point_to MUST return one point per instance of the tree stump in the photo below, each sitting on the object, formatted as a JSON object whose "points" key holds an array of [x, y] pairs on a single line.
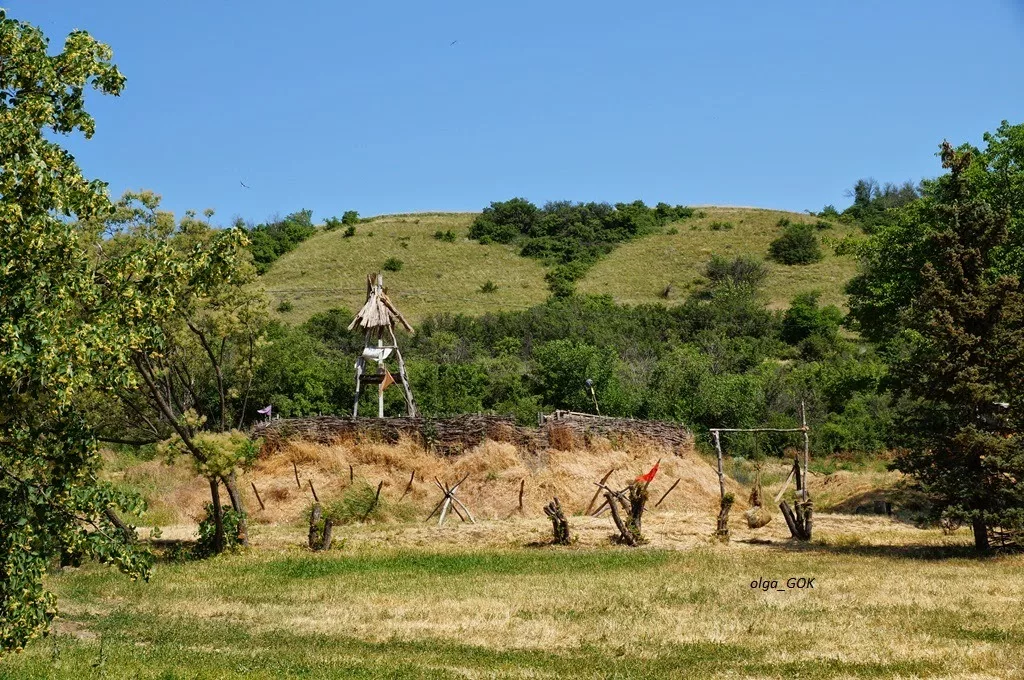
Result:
{"points": [[632, 503], [722, 530], [559, 524], [319, 532], [799, 522]]}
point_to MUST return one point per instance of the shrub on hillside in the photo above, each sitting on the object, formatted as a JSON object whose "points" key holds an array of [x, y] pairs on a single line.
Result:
{"points": [[738, 272], [446, 236], [350, 231], [267, 242], [392, 264], [797, 245], [564, 232], [350, 217]]}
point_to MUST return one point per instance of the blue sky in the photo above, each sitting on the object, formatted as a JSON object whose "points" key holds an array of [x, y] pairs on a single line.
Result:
{"points": [[367, 106]]}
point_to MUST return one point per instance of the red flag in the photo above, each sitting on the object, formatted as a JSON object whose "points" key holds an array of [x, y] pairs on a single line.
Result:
{"points": [[649, 477]]}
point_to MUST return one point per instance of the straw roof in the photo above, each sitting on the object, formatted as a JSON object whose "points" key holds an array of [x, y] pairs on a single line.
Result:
{"points": [[379, 311]]}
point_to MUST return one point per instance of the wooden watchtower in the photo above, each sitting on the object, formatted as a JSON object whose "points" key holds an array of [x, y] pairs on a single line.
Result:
{"points": [[377, 318]]}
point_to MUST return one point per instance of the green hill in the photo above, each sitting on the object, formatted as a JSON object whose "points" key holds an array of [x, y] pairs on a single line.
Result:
{"points": [[327, 270]]}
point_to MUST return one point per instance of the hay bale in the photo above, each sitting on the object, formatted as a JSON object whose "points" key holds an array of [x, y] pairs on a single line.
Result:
{"points": [[757, 517]]}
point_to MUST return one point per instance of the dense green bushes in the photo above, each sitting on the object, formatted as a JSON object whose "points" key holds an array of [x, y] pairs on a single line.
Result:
{"points": [[720, 358], [570, 236], [267, 242], [797, 245]]}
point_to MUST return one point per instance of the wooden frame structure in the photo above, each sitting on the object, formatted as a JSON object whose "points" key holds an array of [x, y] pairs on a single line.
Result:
{"points": [[799, 522], [377, 317]]}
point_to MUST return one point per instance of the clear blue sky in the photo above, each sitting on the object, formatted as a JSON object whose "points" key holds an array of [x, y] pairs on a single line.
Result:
{"points": [[367, 106]]}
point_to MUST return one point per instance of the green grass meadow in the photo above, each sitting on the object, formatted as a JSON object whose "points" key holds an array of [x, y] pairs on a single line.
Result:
{"points": [[542, 613]]}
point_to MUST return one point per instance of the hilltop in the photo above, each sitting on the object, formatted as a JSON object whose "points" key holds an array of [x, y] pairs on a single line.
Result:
{"points": [[327, 270]]}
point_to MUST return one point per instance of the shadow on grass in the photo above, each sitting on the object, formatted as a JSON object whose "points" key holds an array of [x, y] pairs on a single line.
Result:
{"points": [[905, 552]]}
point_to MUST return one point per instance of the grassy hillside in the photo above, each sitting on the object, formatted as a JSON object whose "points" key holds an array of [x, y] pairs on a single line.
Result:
{"points": [[436, 276], [329, 270], [640, 271]]}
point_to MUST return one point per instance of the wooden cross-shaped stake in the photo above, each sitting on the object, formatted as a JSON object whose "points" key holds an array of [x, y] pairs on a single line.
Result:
{"points": [[450, 502]]}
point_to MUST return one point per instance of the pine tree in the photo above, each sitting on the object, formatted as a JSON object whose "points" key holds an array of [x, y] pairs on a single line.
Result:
{"points": [[957, 362]]}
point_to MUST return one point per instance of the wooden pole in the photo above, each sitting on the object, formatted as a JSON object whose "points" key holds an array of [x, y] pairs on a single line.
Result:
{"points": [[598, 492], [721, 471], [668, 492], [408, 487], [410, 403], [807, 446], [260, 500], [376, 499], [351, 474], [295, 469], [315, 497], [380, 402]]}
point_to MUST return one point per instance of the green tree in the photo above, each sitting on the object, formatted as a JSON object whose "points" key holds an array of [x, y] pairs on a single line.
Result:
{"points": [[195, 370], [62, 327], [950, 365], [797, 245]]}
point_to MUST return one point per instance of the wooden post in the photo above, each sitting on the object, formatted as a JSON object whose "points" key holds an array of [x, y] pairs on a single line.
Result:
{"points": [[258, 499], [295, 469], [376, 499], [380, 401], [315, 497], [664, 495], [410, 403], [559, 524], [522, 487], [807, 447], [721, 472], [598, 492], [351, 474], [408, 487]]}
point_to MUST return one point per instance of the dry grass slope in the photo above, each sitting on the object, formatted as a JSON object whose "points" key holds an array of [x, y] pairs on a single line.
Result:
{"points": [[638, 272], [327, 270]]}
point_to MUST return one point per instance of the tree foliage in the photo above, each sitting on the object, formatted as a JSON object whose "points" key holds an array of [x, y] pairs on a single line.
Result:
{"points": [[66, 323], [797, 245], [953, 342]]}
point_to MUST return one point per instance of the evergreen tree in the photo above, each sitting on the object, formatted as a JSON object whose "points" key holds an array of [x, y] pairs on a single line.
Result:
{"points": [[951, 366]]}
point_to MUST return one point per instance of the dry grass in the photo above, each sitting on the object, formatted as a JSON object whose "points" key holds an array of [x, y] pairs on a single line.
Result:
{"points": [[471, 601], [492, 599], [678, 259], [327, 270]]}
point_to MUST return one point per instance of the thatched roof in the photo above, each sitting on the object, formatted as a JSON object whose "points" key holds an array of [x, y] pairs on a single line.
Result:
{"points": [[379, 311]]}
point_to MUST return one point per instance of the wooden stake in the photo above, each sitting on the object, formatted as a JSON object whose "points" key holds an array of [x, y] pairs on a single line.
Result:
{"points": [[522, 487], [376, 499], [674, 484], [295, 468], [260, 500], [351, 474], [721, 472], [408, 487], [807, 447], [598, 492], [315, 498]]}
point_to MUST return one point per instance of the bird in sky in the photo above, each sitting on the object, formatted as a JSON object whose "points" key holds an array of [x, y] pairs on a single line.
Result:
{"points": [[452, 43], [244, 185]]}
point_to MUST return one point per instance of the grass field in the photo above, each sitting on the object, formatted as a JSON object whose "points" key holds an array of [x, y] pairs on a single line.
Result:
{"points": [[436, 276], [892, 603], [639, 271]]}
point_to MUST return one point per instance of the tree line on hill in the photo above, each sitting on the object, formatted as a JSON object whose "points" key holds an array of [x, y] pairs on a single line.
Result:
{"points": [[120, 323]]}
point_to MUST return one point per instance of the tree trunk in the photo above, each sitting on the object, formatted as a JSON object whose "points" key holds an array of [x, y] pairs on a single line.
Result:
{"points": [[218, 516], [980, 534], [559, 524], [238, 504]]}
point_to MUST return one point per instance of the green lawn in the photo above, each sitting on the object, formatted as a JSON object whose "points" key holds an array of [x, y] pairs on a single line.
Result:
{"points": [[542, 612]]}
